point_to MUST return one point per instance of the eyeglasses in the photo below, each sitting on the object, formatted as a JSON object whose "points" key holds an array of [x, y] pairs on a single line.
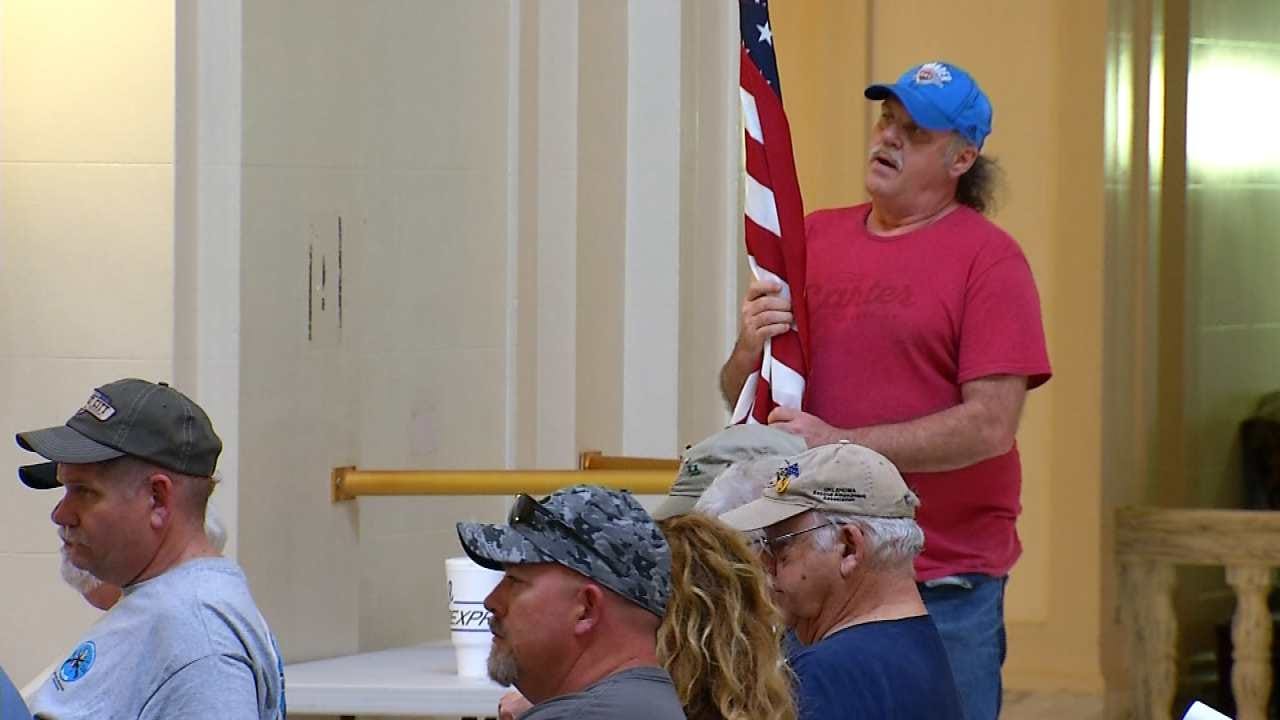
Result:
{"points": [[771, 548], [525, 509]]}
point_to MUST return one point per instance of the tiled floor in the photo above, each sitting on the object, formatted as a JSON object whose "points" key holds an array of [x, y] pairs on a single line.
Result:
{"points": [[1050, 706]]}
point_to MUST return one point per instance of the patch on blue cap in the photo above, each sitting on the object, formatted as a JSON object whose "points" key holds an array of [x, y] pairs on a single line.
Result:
{"points": [[932, 73]]}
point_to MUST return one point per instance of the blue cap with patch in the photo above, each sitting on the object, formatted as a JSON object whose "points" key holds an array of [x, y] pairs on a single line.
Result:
{"points": [[941, 96]]}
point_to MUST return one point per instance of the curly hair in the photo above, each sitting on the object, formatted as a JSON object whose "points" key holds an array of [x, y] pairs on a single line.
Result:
{"points": [[721, 637], [977, 187]]}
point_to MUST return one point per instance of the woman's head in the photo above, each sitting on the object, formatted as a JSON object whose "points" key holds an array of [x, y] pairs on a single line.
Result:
{"points": [[721, 637]]}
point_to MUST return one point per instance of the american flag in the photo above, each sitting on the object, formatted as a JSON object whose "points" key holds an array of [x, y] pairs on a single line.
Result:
{"points": [[774, 216]]}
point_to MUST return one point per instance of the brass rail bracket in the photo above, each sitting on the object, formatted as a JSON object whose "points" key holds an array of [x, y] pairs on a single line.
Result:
{"points": [[337, 493]]}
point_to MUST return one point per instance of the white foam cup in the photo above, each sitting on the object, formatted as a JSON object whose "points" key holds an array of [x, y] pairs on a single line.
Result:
{"points": [[469, 584], [1200, 711]]}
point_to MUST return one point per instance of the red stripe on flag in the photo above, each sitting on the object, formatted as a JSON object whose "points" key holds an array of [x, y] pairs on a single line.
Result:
{"points": [[757, 161], [772, 166], [783, 180]]}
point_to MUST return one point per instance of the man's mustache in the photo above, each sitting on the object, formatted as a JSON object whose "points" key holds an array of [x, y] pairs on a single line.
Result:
{"points": [[890, 155]]}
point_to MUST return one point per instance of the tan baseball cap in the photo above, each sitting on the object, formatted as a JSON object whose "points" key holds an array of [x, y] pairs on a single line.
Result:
{"points": [[842, 478], [702, 463]]}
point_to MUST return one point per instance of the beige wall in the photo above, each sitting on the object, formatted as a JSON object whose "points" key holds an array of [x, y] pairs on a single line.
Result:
{"points": [[86, 167], [415, 166], [1047, 135], [658, 225], [601, 226], [511, 271], [711, 250], [823, 62], [493, 262], [546, 325]]}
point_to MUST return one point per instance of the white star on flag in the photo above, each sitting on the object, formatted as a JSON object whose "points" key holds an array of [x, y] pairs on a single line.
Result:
{"points": [[766, 35]]}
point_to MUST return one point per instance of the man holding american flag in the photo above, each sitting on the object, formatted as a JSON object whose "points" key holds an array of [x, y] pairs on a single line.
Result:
{"points": [[920, 334]]}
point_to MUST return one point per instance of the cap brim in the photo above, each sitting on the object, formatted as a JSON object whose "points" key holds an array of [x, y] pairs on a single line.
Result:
{"points": [[922, 111], [878, 92], [61, 444], [41, 476], [674, 505], [761, 513], [496, 546]]}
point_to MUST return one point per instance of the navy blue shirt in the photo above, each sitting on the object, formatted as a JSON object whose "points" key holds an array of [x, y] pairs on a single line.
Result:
{"points": [[890, 669]]}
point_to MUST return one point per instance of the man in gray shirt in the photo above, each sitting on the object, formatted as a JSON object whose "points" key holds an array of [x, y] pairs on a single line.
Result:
{"points": [[186, 639], [575, 617]]}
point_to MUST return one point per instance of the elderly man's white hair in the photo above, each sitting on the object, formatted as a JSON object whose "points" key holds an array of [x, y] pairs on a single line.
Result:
{"points": [[739, 484], [215, 530], [84, 582], [893, 543]]}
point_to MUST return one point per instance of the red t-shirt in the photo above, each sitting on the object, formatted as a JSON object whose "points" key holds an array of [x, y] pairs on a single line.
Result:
{"points": [[896, 325]]}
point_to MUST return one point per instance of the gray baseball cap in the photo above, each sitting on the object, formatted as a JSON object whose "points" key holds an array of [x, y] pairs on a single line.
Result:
{"points": [[151, 421], [841, 477], [603, 534], [702, 463]]}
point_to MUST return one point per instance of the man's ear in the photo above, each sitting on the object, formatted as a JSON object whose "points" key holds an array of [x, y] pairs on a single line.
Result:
{"points": [[163, 497], [589, 608], [963, 159], [853, 547]]}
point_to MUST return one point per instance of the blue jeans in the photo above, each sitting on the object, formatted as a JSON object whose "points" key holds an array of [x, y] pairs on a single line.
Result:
{"points": [[969, 613]]}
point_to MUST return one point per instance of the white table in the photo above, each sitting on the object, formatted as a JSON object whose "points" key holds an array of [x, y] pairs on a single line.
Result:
{"points": [[418, 680]]}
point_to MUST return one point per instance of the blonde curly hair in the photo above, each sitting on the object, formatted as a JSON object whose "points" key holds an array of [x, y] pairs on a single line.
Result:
{"points": [[721, 637]]}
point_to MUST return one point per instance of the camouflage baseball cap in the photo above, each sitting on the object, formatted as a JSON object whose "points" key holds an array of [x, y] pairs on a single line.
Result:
{"points": [[603, 534], [703, 462], [842, 478]]}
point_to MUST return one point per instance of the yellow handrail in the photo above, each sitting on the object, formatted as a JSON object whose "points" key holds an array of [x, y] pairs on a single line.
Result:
{"points": [[595, 460], [643, 476]]}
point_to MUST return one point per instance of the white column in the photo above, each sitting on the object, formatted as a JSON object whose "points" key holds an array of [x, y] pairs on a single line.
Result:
{"points": [[651, 334], [556, 191], [207, 174]]}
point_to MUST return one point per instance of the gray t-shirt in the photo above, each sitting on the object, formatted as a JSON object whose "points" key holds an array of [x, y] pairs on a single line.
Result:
{"points": [[643, 693], [187, 644]]}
